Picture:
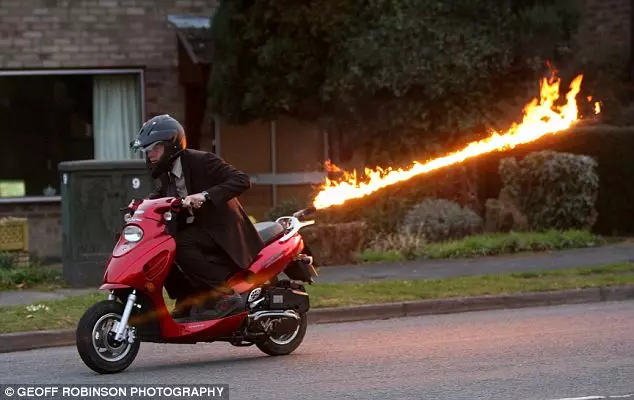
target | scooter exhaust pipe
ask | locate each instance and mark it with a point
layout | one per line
(289, 321)
(260, 325)
(256, 316)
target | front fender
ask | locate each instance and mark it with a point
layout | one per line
(114, 286)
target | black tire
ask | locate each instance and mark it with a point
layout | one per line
(84, 339)
(270, 347)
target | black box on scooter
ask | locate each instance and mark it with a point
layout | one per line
(288, 299)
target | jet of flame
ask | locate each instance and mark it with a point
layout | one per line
(541, 117)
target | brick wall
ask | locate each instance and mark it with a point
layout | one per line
(45, 234)
(97, 34)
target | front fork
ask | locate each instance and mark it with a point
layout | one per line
(120, 327)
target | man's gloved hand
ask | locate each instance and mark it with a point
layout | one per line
(194, 200)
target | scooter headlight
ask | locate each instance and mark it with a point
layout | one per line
(132, 233)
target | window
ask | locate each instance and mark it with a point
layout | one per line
(51, 117)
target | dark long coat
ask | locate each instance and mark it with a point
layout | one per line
(222, 217)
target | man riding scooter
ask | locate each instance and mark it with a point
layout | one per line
(215, 238)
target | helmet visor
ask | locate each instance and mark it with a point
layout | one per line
(137, 147)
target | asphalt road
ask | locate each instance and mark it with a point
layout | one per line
(538, 353)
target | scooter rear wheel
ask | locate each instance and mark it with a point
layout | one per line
(96, 346)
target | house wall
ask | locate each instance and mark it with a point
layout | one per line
(37, 34)
(45, 232)
(298, 148)
(87, 34)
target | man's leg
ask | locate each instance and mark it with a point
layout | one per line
(178, 287)
(176, 284)
(204, 263)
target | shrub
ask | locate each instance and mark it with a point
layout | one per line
(25, 277)
(283, 209)
(335, 244)
(7, 260)
(395, 246)
(440, 220)
(553, 190)
(502, 215)
(610, 146)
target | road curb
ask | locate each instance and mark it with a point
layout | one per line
(21, 341)
(467, 304)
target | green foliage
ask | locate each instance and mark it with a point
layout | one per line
(545, 28)
(610, 146)
(400, 247)
(29, 276)
(513, 242)
(7, 260)
(284, 209)
(604, 77)
(394, 247)
(230, 61)
(553, 190)
(417, 68)
(440, 219)
(268, 58)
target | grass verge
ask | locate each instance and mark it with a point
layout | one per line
(66, 312)
(487, 245)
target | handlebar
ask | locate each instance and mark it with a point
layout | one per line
(294, 223)
(172, 205)
(303, 213)
(132, 205)
(176, 204)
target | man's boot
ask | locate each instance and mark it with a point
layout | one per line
(220, 305)
(182, 309)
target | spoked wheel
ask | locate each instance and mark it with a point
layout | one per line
(96, 342)
(284, 343)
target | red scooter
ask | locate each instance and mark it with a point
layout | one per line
(274, 319)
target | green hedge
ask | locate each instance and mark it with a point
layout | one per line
(611, 147)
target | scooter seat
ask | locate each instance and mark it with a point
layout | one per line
(269, 231)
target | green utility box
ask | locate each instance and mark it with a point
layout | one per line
(93, 192)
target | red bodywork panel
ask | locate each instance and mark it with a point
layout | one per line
(145, 265)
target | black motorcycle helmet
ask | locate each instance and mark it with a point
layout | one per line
(161, 129)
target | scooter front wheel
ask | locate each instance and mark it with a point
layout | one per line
(96, 342)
